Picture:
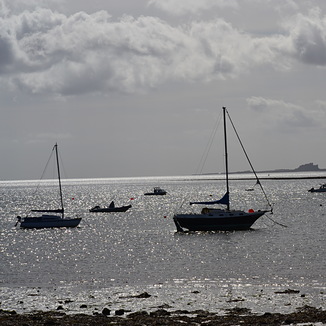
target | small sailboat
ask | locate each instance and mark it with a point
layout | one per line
(55, 217)
(217, 219)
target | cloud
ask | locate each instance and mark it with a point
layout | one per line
(288, 117)
(308, 37)
(195, 7)
(191, 6)
(44, 51)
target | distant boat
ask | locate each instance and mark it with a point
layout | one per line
(156, 192)
(322, 188)
(216, 219)
(110, 209)
(52, 220)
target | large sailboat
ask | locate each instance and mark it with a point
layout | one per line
(55, 217)
(217, 219)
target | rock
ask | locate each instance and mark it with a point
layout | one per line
(138, 314)
(201, 313)
(288, 291)
(164, 306)
(235, 300)
(106, 311)
(119, 312)
(182, 312)
(160, 313)
(143, 295)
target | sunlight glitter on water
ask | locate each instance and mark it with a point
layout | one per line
(112, 257)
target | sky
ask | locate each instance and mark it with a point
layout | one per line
(133, 88)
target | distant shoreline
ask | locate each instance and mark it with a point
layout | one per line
(305, 168)
(279, 177)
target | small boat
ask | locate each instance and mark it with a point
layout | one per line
(55, 217)
(156, 192)
(322, 188)
(110, 209)
(216, 219)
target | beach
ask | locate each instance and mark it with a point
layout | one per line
(133, 268)
(234, 316)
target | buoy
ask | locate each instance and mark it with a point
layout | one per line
(251, 210)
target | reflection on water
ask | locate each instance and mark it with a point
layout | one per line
(110, 257)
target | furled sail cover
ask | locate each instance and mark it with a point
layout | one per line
(223, 201)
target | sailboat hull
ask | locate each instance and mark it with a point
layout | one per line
(221, 221)
(48, 221)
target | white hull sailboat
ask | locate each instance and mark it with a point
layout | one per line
(55, 217)
(216, 219)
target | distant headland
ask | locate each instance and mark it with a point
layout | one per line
(308, 167)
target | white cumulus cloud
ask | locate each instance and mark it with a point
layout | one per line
(45, 51)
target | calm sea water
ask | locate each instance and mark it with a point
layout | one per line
(111, 258)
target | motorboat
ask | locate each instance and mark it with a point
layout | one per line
(156, 192)
(322, 188)
(110, 209)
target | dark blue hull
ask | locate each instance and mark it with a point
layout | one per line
(207, 222)
(48, 222)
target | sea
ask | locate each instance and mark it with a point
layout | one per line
(136, 261)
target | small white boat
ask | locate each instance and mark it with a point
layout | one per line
(156, 192)
(55, 220)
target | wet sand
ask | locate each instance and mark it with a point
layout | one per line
(236, 316)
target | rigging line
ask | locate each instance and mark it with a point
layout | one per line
(285, 226)
(203, 159)
(62, 167)
(180, 206)
(46, 166)
(252, 168)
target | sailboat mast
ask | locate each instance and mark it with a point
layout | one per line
(59, 177)
(226, 156)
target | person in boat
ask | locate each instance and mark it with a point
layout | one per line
(112, 204)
